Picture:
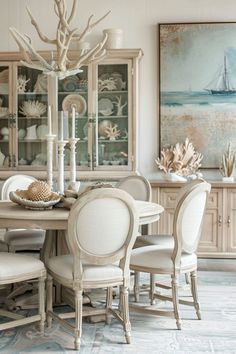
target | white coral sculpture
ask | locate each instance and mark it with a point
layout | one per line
(21, 83)
(228, 162)
(32, 108)
(181, 159)
(112, 132)
(119, 106)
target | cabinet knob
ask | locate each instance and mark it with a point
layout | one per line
(228, 221)
(219, 220)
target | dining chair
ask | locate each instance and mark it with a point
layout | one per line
(181, 258)
(16, 268)
(163, 241)
(102, 228)
(19, 239)
(137, 186)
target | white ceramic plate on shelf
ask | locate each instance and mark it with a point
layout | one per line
(105, 107)
(42, 131)
(76, 101)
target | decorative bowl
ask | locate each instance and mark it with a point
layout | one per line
(19, 197)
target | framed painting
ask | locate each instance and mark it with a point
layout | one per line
(197, 97)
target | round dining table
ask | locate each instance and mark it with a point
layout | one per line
(55, 222)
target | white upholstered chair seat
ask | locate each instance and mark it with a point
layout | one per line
(16, 265)
(148, 240)
(158, 260)
(31, 238)
(63, 266)
(15, 268)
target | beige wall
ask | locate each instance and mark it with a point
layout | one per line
(139, 19)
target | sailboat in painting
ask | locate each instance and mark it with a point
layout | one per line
(221, 84)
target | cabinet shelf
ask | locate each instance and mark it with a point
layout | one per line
(112, 141)
(112, 117)
(111, 92)
(73, 92)
(32, 94)
(32, 141)
(28, 118)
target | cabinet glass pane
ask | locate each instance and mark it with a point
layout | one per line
(73, 92)
(112, 132)
(4, 117)
(32, 102)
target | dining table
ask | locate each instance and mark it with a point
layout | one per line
(55, 222)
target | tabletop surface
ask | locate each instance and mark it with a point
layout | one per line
(9, 210)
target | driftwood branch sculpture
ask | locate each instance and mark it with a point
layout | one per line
(228, 162)
(181, 159)
(65, 35)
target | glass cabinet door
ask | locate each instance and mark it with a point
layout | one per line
(113, 116)
(73, 92)
(5, 104)
(31, 118)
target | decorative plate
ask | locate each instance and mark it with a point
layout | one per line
(105, 107)
(77, 101)
(19, 197)
(42, 131)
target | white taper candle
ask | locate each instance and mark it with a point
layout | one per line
(73, 123)
(49, 120)
(61, 126)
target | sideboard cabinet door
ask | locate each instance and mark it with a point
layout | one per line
(231, 221)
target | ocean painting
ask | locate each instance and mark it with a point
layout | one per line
(198, 87)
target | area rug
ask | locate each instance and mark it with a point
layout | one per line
(215, 333)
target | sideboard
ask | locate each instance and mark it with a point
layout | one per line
(218, 238)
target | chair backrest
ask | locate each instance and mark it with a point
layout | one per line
(188, 218)
(102, 228)
(137, 186)
(15, 182)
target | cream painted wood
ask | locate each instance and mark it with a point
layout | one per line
(90, 251)
(137, 186)
(157, 259)
(131, 58)
(38, 273)
(218, 237)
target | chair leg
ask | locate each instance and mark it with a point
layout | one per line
(78, 318)
(175, 296)
(124, 296)
(109, 305)
(187, 278)
(49, 300)
(195, 294)
(136, 285)
(41, 291)
(152, 289)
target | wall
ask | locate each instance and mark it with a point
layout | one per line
(139, 19)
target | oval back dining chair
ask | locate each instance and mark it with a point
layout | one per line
(102, 228)
(21, 240)
(181, 258)
(137, 186)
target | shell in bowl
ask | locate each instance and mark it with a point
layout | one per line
(21, 197)
(32, 108)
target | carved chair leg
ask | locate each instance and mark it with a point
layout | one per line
(136, 285)
(175, 296)
(187, 278)
(124, 295)
(195, 294)
(152, 289)
(42, 302)
(49, 299)
(78, 318)
(109, 304)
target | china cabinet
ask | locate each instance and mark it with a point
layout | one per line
(218, 235)
(104, 96)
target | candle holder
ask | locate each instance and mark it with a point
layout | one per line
(61, 148)
(73, 142)
(50, 139)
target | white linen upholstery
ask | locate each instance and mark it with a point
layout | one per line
(18, 240)
(16, 268)
(159, 259)
(147, 240)
(63, 266)
(14, 265)
(102, 227)
(137, 186)
(181, 257)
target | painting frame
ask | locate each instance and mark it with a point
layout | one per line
(187, 108)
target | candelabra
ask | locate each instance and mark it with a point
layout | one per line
(50, 139)
(61, 148)
(73, 142)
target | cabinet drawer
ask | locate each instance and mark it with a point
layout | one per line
(169, 197)
(213, 199)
